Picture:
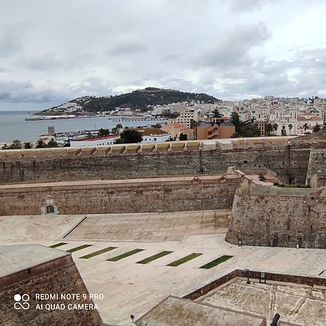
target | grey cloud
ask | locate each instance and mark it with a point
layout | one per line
(10, 41)
(232, 50)
(246, 5)
(127, 46)
(277, 77)
(59, 50)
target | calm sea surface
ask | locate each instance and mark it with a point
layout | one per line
(13, 125)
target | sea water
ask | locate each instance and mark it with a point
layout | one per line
(13, 125)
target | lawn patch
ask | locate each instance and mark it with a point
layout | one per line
(215, 262)
(96, 253)
(58, 244)
(156, 256)
(78, 248)
(126, 254)
(184, 259)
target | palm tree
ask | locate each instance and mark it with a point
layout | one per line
(290, 127)
(40, 144)
(16, 144)
(27, 145)
(283, 131)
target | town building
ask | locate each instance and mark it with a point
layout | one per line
(214, 128)
(95, 141)
(187, 116)
(153, 135)
(176, 129)
(307, 122)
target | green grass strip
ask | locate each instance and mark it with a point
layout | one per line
(126, 254)
(78, 248)
(58, 244)
(184, 259)
(156, 256)
(215, 262)
(96, 253)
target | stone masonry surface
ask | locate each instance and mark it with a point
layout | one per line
(271, 216)
(42, 275)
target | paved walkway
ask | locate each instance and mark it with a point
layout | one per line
(129, 287)
(151, 227)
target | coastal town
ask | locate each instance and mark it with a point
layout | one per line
(188, 120)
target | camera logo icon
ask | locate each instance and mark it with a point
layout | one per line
(21, 301)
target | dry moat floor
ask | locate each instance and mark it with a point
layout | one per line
(137, 260)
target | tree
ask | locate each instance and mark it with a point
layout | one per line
(119, 141)
(16, 144)
(5, 146)
(183, 136)
(290, 127)
(283, 131)
(103, 132)
(40, 144)
(52, 143)
(235, 120)
(275, 126)
(269, 129)
(305, 127)
(250, 130)
(217, 114)
(27, 145)
(316, 128)
(157, 125)
(131, 136)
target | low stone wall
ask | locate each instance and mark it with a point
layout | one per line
(279, 217)
(120, 196)
(275, 277)
(56, 277)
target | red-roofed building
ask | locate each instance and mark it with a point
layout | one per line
(307, 121)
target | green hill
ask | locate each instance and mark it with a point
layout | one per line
(139, 99)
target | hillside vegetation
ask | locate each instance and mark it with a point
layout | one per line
(139, 99)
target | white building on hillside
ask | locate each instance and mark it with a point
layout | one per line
(187, 115)
(95, 141)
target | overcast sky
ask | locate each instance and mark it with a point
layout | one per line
(52, 51)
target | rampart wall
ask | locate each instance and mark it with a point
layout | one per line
(120, 196)
(316, 172)
(289, 163)
(278, 217)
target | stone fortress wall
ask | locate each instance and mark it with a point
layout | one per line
(120, 196)
(278, 217)
(182, 177)
(290, 162)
